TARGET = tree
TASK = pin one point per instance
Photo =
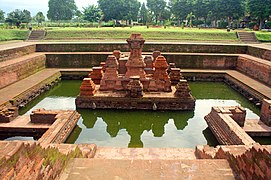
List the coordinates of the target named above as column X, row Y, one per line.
column 61, row 10
column 231, row 9
column 156, row 7
column 180, row 9
column 39, row 18
column 259, row 9
column 17, row 17
column 190, row 17
column 119, row 9
column 111, row 9
column 92, row 13
column 202, row 9
column 143, row 14
column 2, row 17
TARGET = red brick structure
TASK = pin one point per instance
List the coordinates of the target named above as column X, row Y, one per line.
column 110, row 77
column 160, row 74
column 87, row 87
column 182, row 89
column 135, row 87
column 175, row 75
column 42, row 116
column 97, row 74
column 135, row 64
column 7, row 114
column 266, row 112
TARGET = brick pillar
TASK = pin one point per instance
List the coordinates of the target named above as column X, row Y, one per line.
column 266, row 112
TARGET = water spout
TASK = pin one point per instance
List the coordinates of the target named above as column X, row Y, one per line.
column 154, row 107
column 94, row 105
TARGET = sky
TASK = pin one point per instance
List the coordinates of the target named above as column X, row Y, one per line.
column 35, row 6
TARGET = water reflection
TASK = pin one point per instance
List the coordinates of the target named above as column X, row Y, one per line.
column 121, row 128
column 133, row 122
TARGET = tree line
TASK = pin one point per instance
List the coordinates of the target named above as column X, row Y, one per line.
column 153, row 12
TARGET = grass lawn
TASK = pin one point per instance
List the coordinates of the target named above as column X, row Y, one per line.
column 150, row 34
column 263, row 36
column 13, row 34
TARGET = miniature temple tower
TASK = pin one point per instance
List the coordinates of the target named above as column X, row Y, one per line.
column 135, row 64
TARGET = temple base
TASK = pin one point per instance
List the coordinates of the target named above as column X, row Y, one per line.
column 149, row 101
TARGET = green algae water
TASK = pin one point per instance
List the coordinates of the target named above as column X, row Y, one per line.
column 133, row 128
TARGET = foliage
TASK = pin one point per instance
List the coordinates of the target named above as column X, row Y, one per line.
column 2, row 17
column 39, row 17
column 190, row 17
column 143, row 14
column 180, row 8
column 92, row 13
column 263, row 36
column 119, row 9
column 156, row 7
column 259, row 9
column 61, row 9
column 17, row 17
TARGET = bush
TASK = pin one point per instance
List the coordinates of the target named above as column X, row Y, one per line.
column 222, row 24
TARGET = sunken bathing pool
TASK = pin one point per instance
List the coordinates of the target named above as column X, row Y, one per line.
column 124, row 128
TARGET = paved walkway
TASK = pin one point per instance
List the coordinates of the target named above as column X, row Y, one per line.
column 147, row 169
column 17, row 88
column 145, row 153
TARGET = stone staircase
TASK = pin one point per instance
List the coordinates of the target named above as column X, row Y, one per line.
column 247, row 37
column 36, row 35
column 146, row 163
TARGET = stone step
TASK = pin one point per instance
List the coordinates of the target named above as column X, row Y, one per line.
column 37, row 35
column 145, row 153
column 147, row 169
column 248, row 37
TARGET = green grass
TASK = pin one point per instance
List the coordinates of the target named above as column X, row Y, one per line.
column 154, row 34
column 13, row 34
column 263, row 36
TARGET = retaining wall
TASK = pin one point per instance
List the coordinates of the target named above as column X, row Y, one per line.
column 17, row 71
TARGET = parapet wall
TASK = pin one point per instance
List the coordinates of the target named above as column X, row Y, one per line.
column 148, row 47
column 183, row 60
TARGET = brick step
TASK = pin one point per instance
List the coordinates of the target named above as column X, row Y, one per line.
column 37, row 35
column 147, row 169
column 19, row 68
column 144, row 153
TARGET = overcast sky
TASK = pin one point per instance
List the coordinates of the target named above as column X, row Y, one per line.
column 35, row 6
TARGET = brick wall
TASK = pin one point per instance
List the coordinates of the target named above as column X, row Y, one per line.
column 20, row 70
column 148, row 47
column 16, row 52
column 256, row 69
column 259, row 52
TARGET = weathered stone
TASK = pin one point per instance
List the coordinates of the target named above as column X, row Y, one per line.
column 155, row 54
column 239, row 115
column 160, row 74
column 135, row 87
column 182, row 89
column 266, row 112
column 7, row 114
column 175, row 75
column 42, row 116
column 87, row 87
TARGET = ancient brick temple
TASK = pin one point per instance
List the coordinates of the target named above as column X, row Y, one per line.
column 128, row 81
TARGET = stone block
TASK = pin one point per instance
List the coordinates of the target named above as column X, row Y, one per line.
column 265, row 116
column 7, row 114
column 42, row 116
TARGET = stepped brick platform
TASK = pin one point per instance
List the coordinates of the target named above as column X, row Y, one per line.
column 119, row 100
column 224, row 123
column 38, row 125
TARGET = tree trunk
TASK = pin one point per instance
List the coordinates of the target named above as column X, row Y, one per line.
column 261, row 24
